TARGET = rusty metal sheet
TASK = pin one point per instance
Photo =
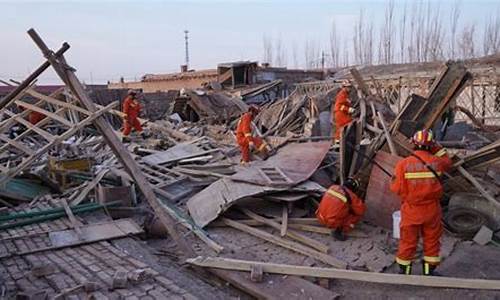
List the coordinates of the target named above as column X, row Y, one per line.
column 297, row 162
column 208, row 204
column 380, row 201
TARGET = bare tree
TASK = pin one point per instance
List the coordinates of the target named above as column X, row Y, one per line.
column 345, row 53
column 455, row 16
column 466, row 44
column 435, row 35
column 295, row 55
column 268, row 49
column 402, row 35
column 312, row 54
column 280, row 56
column 362, row 41
column 491, row 35
column 334, row 46
column 386, row 35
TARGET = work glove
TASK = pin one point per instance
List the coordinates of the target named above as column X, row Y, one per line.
column 351, row 110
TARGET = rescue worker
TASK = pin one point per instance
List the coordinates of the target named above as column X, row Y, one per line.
column 131, row 109
column 342, row 110
column 245, row 139
column 416, row 181
column 340, row 208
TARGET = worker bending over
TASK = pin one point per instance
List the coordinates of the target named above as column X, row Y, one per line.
column 340, row 208
column 131, row 109
column 245, row 139
column 342, row 110
column 416, row 181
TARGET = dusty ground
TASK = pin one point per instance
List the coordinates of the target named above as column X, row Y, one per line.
column 376, row 251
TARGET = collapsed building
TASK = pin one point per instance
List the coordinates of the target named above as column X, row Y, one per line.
column 173, row 215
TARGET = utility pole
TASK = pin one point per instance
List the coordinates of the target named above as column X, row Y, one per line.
column 187, row 48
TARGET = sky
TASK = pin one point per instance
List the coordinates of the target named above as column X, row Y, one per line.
column 113, row 39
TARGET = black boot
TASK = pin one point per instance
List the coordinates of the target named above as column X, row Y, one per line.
column 339, row 235
column 429, row 270
column 404, row 269
column 125, row 139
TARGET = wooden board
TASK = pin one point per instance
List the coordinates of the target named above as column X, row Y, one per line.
column 208, row 204
column 415, row 280
column 94, row 232
column 380, row 201
column 297, row 162
column 176, row 153
column 276, row 287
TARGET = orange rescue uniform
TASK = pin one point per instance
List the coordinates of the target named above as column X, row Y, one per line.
column 420, row 192
column 131, row 109
column 341, row 115
column 245, row 139
column 340, row 208
column 35, row 117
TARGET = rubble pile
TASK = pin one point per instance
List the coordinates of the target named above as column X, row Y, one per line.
column 85, row 194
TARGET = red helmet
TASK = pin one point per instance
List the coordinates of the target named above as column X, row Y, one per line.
column 423, row 137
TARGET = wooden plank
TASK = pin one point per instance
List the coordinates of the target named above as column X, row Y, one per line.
column 415, row 280
column 276, row 287
column 56, row 102
column 361, row 83
column 327, row 259
column 49, row 137
column 74, row 222
column 478, row 186
column 47, row 113
column 17, row 144
column 291, row 234
column 90, row 186
column 68, row 76
column 392, row 148
column 284, row 220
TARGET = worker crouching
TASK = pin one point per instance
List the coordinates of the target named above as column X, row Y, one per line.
column 340, row 208
column 131, row 109
column 416, row 181
column 245, row 138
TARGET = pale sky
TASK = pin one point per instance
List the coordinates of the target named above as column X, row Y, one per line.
column 110, row 39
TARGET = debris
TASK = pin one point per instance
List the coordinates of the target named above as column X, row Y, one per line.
column 483, row 236
column 120, row 280
column 444, row 282
column 256, row 273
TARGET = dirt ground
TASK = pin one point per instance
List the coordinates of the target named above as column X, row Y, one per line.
column 463, row 259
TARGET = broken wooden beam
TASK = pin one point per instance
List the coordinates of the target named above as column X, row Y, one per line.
column 415, row 280
column 327, row 259
column 291, row 234
column 68, row 76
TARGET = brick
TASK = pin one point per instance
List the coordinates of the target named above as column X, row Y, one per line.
column 104, row 277
column 120, row 280
column 164, row 281
column 40, row 270
column 137, row 263
column 94, row 268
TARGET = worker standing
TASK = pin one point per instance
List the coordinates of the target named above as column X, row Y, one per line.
column 342, row 110
column 340, row 208
column 131, row 109
column 416, row 181
column 244, row 137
